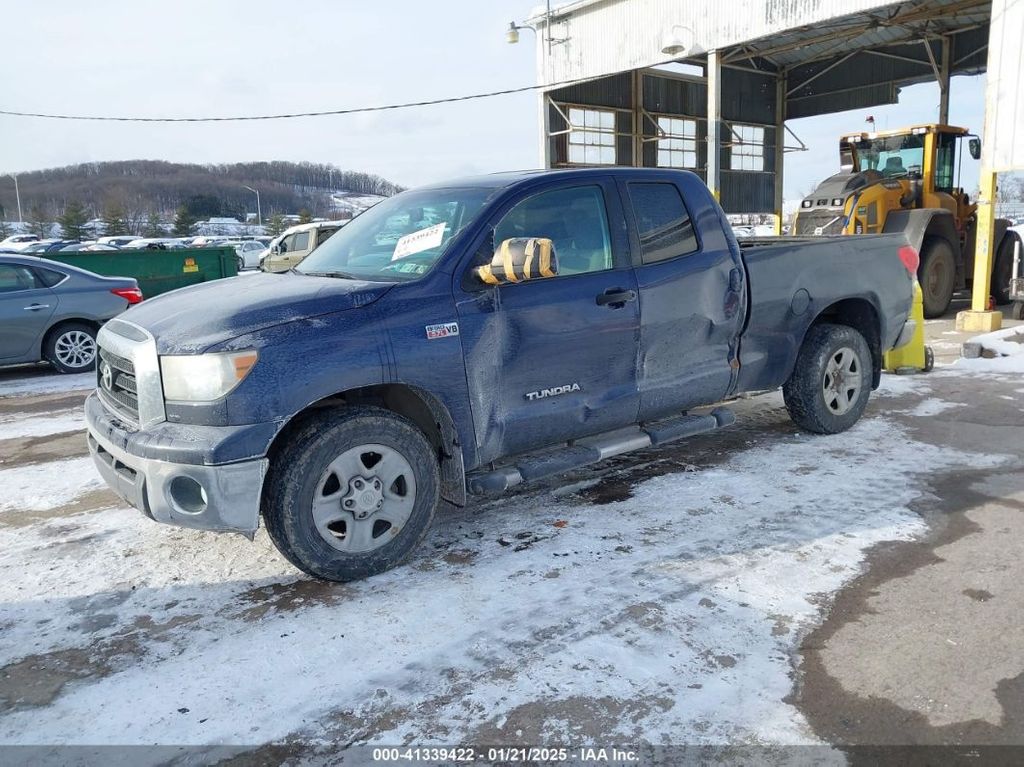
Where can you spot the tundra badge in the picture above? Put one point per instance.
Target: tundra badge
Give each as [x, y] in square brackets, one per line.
[554, 391]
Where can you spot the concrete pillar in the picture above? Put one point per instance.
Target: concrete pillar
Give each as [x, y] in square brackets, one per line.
[780, 142]
[714, 169]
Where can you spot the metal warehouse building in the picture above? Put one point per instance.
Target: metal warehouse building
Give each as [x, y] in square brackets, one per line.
[755, 64]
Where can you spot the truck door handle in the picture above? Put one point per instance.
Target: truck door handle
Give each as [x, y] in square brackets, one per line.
[616, 298]
[36, 307]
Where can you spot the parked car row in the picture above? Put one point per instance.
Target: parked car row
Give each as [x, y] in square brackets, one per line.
[51, 311]
[279, 254]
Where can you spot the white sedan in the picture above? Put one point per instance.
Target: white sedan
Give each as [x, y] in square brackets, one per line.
[249, 252]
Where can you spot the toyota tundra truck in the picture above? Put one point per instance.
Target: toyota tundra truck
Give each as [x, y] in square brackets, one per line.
[460, 339]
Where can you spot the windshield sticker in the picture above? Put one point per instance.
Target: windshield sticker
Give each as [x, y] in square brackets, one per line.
[417, 242]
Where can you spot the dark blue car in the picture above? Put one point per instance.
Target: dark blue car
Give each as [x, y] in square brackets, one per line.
[465, 337]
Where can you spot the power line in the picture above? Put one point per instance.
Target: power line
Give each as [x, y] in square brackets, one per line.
[288, 116]
[324, 113]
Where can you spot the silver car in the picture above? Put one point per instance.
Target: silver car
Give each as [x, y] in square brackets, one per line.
[51, 311]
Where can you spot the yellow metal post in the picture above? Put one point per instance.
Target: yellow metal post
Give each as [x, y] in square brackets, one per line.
[913, 356]
[979, 318]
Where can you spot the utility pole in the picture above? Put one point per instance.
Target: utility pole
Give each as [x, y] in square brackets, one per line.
[259, 212]
[17, 195]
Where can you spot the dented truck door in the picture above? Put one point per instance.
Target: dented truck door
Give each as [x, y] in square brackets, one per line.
[551, 359]
[692, 285]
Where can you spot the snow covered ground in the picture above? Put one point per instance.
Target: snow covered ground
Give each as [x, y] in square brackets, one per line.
[668, 611]
[354, 203]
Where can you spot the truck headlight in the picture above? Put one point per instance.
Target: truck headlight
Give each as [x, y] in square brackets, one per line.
[204, 377]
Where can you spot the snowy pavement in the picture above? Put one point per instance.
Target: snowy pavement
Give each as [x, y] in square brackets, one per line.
[662, 598]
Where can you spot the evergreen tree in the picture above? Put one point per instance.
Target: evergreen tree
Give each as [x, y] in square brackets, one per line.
[5, 230]
[305, 217]
[38, 222]
[277, 225]
[154, 227]
[73, 221]
[114, 220]
[183, 222]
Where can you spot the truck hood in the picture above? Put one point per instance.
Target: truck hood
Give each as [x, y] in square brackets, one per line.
[192, 319]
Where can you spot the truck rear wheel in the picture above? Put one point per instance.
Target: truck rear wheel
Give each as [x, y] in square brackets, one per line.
[831, 383]
[352, 493]
[937, 275]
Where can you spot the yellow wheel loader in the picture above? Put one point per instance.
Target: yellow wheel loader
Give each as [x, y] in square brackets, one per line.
[907, 181]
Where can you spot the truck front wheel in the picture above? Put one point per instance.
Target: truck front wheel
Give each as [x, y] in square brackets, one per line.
[831, 383]
[352, 493]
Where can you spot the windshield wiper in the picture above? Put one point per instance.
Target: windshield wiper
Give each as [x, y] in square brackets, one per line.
[338, 275]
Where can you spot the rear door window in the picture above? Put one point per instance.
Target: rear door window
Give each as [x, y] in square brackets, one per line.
[662, 222]
[49, 277]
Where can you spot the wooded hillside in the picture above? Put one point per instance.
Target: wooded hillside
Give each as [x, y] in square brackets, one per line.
[144, 188]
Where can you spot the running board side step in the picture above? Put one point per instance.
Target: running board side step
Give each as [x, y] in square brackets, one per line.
[583, 452]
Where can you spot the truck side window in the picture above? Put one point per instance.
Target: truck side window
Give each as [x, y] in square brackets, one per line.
[574, 219]
[300, 241]
[662, 222]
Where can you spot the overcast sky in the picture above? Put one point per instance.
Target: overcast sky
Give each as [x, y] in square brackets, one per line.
[191, 58]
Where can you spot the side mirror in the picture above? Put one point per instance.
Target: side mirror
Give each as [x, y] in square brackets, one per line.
[520, 259]
[974, 147]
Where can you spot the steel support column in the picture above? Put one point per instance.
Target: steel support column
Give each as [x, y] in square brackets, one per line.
[979, 318]
[944, 83]
[637, 144]
[544, 125]
[780, 150]
[714, 166]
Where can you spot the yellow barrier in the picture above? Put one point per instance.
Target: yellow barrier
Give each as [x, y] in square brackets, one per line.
[913, 356]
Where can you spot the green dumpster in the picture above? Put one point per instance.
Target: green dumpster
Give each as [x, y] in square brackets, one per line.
[157, 271]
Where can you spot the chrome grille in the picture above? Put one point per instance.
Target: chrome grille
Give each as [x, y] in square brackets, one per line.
[115, 380]
[830, 221]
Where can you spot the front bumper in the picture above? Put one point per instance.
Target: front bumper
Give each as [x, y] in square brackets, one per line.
[222, 497]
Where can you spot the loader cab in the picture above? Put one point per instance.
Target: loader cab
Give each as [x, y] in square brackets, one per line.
[924, 161]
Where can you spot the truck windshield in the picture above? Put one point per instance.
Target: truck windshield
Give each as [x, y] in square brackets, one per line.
[398, 239]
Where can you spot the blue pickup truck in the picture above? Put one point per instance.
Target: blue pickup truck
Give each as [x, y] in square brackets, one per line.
[463, 338]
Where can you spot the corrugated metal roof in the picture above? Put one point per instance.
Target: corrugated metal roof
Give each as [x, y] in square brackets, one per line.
[783, 33]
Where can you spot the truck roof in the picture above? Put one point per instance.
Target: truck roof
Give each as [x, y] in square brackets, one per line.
[514, 177]
[924, 128]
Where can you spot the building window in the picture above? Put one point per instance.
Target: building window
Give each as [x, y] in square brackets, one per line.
[747, 151]
[592, 138]
[677, 148]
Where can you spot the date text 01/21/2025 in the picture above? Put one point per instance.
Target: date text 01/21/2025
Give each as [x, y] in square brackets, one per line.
[526, 754]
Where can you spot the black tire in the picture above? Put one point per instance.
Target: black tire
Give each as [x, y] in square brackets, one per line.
[937, 275]
[298, 471]
[240, 262]
[59, 345]
[805, 394]
[1002, 270]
